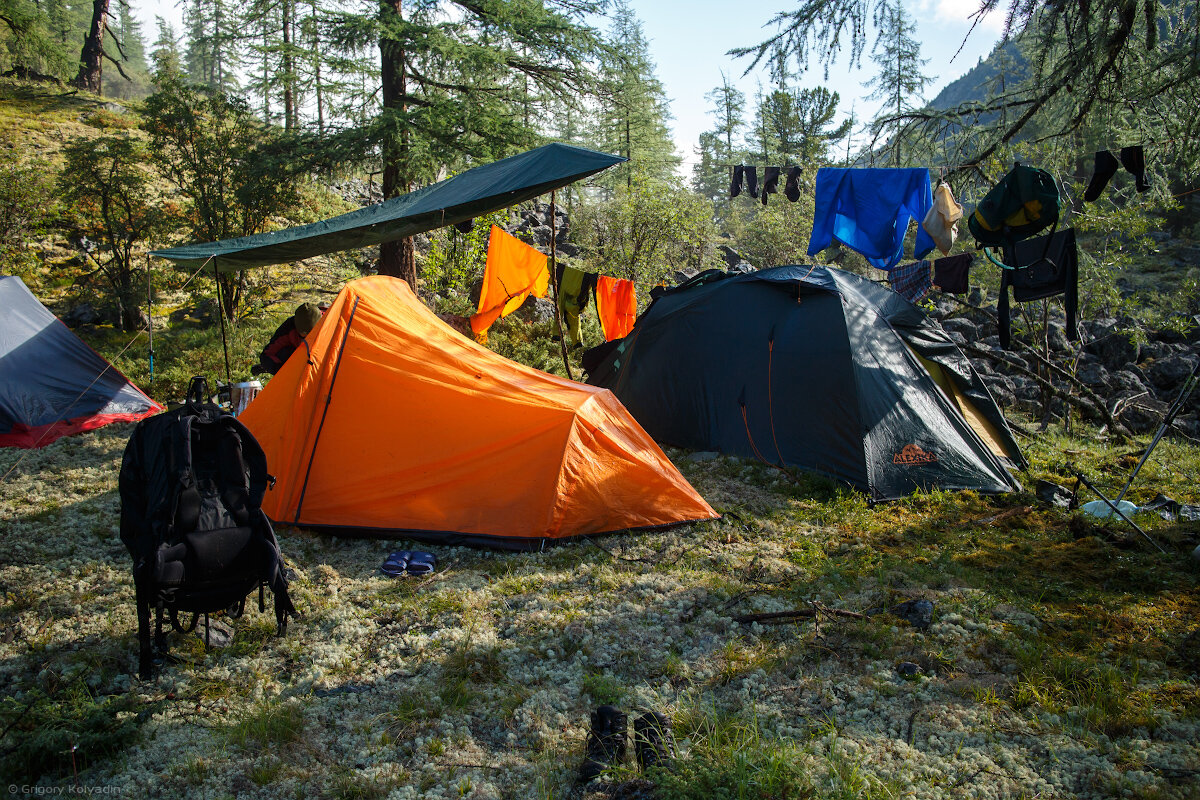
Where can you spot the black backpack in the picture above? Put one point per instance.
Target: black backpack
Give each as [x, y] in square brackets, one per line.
[192, 482]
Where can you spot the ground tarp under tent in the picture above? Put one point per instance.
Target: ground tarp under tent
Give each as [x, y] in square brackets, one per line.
[51, 383]
[391, 421]
[816, 369]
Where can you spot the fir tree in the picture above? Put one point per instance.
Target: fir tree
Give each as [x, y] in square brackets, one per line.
[212, 53]
[634, 111]
[455, 78]
[168, 61]
[127, 35]
[720, 147]
[900, 80]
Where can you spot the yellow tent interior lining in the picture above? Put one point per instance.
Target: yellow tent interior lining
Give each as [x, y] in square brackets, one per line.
[982, 426]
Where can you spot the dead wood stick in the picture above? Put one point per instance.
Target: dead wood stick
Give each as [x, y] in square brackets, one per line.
[799, 613]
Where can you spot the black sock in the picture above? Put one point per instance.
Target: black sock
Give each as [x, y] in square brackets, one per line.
[735, 188]
[1134, 161]
[791, 188]
[752, 181]
[770, 183]
[1106, 167]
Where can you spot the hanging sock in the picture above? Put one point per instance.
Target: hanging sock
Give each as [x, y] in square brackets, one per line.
[791, 188]
[752, 181]
[735, 188]
[770, 183]
[1106, 167]
[1134, 161]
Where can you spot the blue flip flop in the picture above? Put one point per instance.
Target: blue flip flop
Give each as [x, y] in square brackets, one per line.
[421, 563]
[394, 565]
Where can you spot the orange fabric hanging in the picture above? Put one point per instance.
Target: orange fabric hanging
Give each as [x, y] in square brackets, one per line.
[514, 271]
[616, 304]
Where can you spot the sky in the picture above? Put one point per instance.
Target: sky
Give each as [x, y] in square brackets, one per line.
[689, 40]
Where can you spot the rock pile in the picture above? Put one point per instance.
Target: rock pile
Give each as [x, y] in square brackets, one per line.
[1136, 382]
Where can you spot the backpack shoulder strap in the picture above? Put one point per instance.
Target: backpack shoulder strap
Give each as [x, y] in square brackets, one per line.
[254, 462]
[185, 503]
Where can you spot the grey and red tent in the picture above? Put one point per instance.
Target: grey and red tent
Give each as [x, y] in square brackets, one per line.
[51, 383]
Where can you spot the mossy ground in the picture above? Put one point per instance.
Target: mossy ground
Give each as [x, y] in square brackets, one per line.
[1062, 660]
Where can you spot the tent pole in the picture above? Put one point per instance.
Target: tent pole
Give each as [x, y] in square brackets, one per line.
[562, 339]
[221, 314]
[150, 319]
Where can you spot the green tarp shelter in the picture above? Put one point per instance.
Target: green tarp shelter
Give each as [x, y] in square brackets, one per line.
[465, 196]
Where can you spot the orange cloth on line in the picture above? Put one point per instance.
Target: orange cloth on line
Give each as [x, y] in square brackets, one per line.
[616, 304]
[514, 271]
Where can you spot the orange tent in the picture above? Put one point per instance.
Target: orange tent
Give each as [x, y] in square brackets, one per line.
[392, 421]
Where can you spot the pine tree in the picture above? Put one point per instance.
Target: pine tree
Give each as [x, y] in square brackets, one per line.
[900, 79]
[127, 36]
[634, 111]
[168, 61]
[455, 77]
[720, 146]
[212, 53]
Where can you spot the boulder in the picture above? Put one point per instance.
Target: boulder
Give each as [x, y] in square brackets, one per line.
[1114, 348]
[536, 309]
[1093, 375]
[684, 275]
[1168, 374]
[1143, 414]
[969, 330]
[1002, 388]
[1056, 337]
[82, 314]
[1125, 380]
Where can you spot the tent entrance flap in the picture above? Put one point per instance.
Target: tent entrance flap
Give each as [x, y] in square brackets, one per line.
[982, 426]
[469, 194]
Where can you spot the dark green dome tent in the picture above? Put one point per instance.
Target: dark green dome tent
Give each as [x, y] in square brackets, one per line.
[817, 369]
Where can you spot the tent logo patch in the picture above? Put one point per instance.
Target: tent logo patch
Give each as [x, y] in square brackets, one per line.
[912, 454]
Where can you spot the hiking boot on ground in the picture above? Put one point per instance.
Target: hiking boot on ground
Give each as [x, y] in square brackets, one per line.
[605, 742]
[652, 740]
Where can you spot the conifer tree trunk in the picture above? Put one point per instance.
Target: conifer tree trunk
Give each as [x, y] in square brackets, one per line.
[395, 258]
[289, 69]
[91, 59]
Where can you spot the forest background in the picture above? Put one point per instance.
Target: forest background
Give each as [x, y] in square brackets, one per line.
[254, 117]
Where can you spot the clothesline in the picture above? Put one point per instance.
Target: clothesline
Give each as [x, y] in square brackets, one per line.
[931, 168]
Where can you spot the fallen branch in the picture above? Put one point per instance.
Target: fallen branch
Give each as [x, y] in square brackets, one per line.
[799, 613]
[1085, 403]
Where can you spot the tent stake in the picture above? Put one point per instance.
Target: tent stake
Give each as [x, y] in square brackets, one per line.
[221, 314]
[150, 319]
[562, 339]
